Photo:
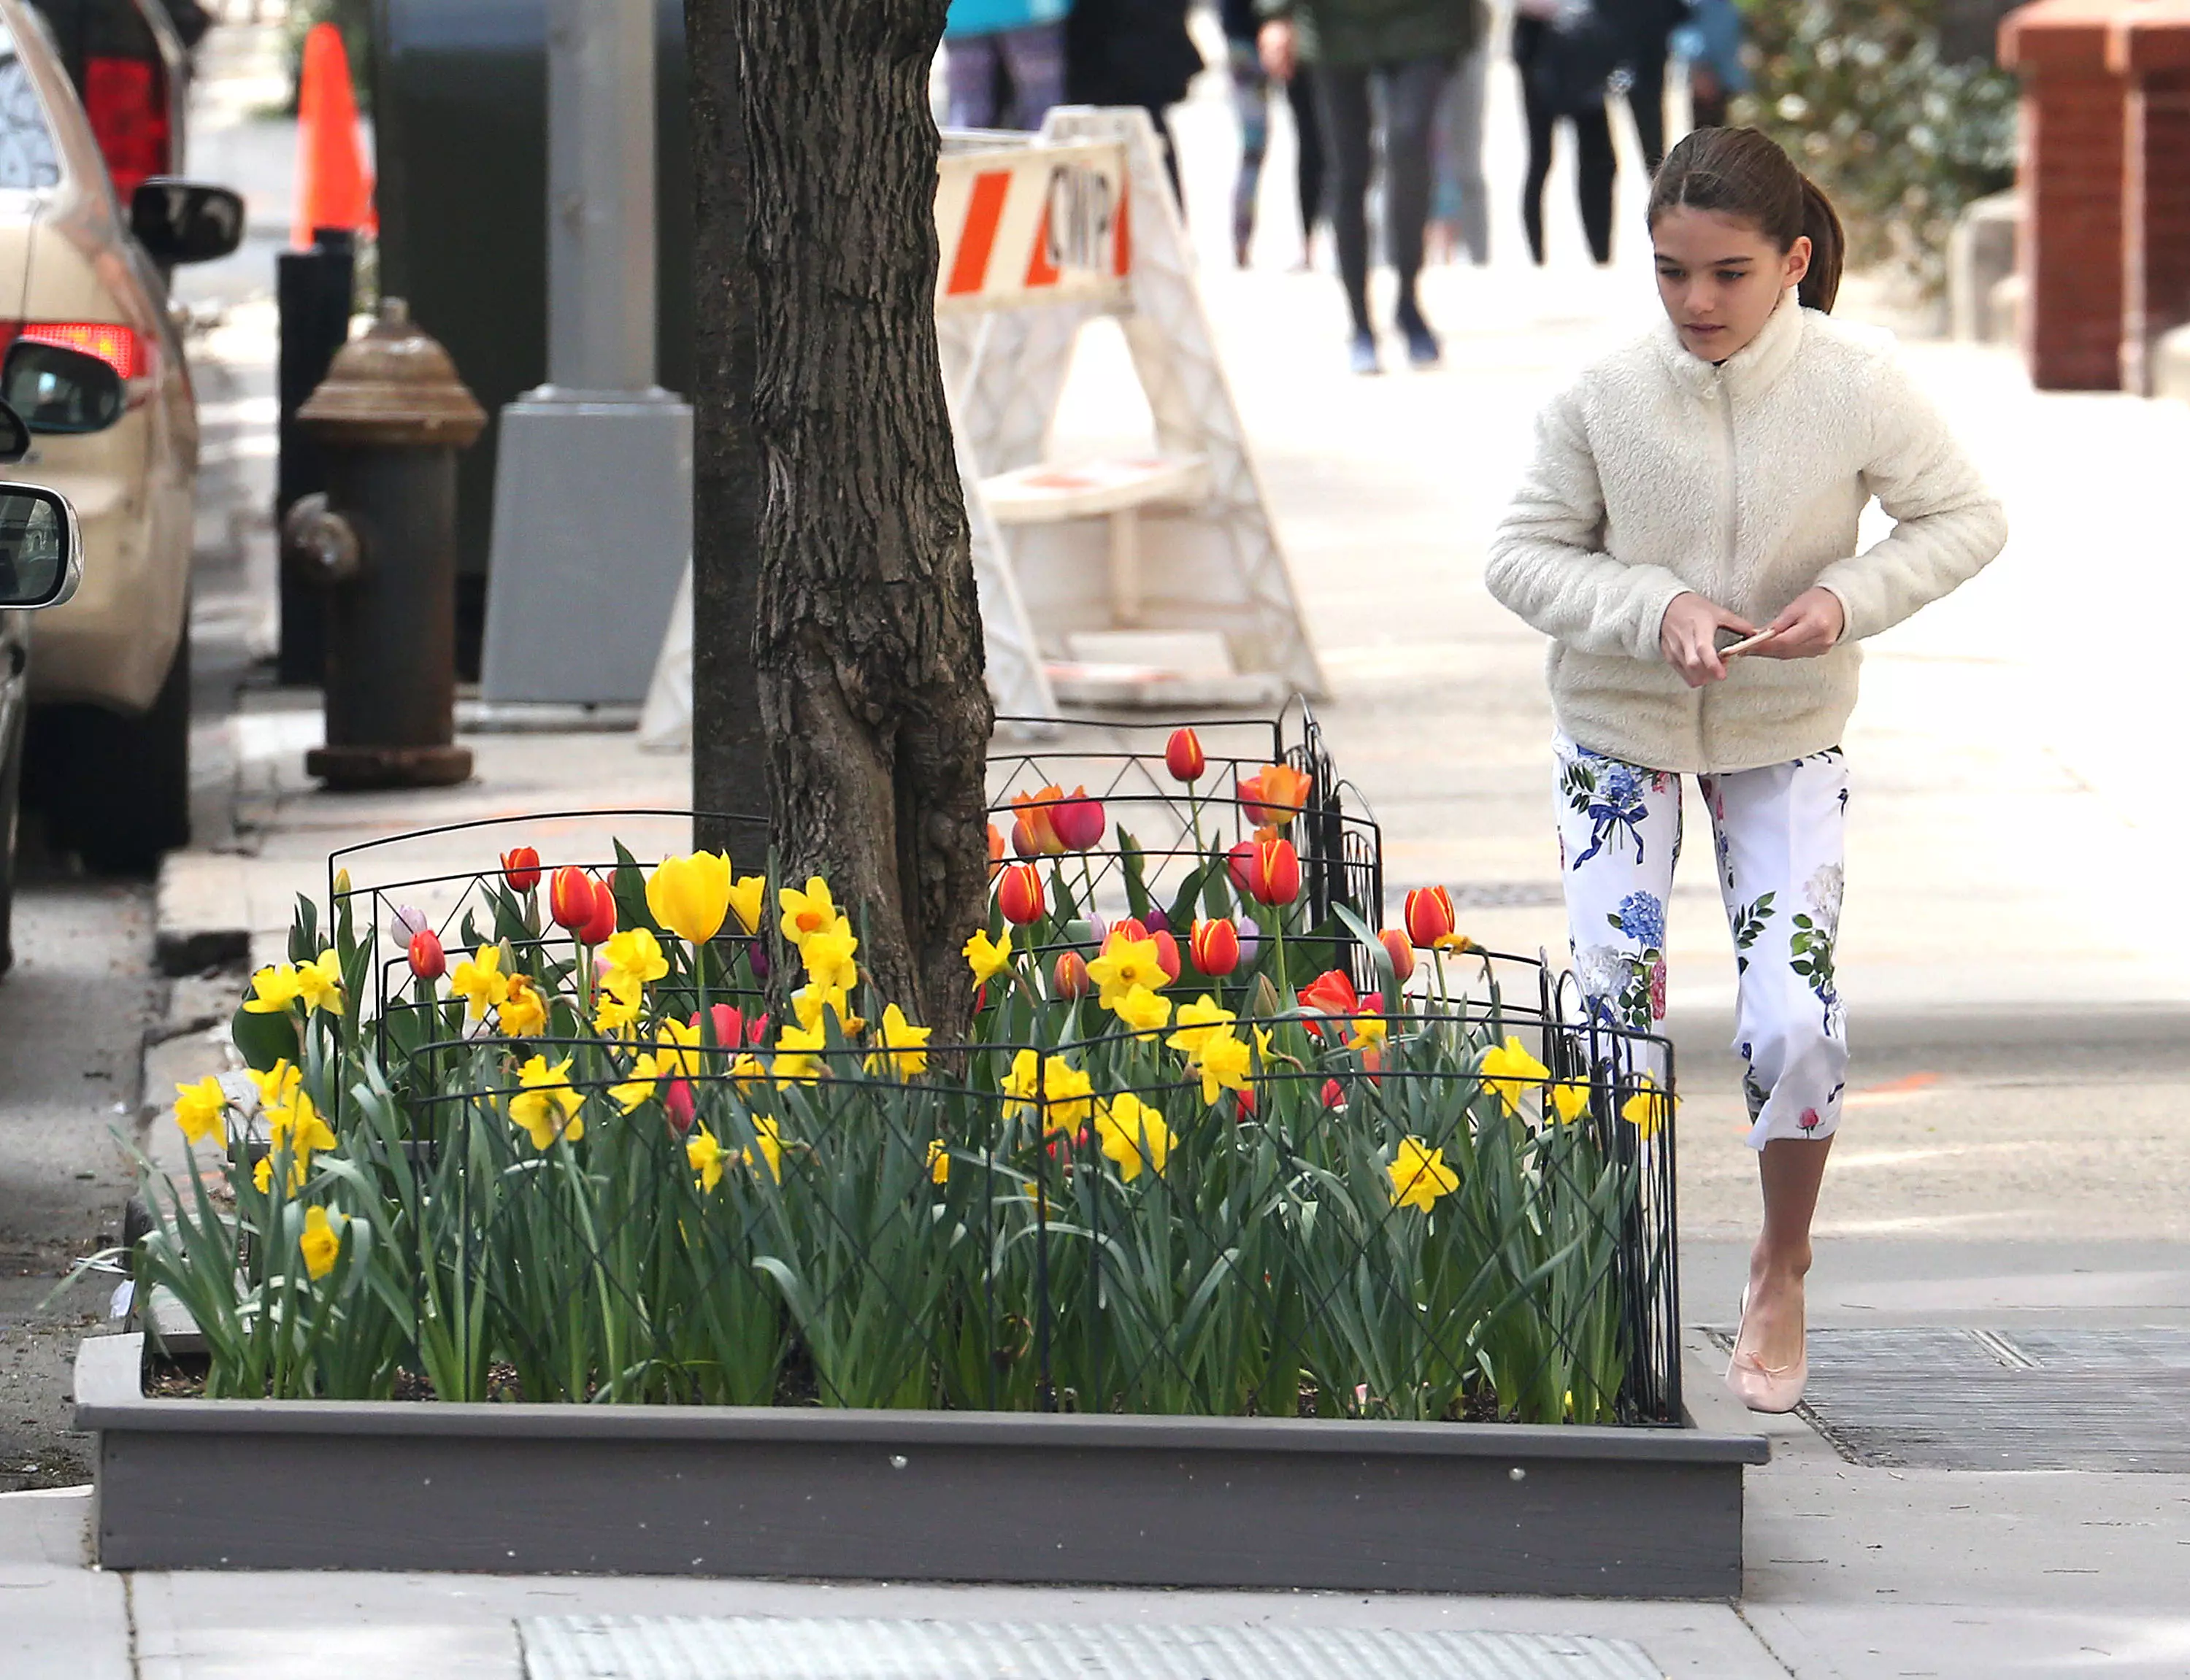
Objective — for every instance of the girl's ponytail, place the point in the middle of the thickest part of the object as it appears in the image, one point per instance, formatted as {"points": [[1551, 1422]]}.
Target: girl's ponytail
{"points": [[1821, 223]]}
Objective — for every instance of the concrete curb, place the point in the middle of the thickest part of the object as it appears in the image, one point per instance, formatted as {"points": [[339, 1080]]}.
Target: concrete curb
{"points": [[202, 913]]}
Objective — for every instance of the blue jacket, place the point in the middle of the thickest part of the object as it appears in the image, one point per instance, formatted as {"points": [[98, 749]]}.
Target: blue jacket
{"points": [[988, 17]]}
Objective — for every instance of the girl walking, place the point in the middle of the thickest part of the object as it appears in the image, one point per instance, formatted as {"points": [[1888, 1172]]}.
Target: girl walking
{"points": [[1686, 537]]}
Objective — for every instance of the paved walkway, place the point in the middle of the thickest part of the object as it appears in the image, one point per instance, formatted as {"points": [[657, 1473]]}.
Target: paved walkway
{"points": [[2013, 1156]]}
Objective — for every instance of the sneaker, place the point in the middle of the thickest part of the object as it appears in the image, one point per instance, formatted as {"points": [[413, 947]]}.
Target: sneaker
{"points": [[1423, 350], [1362, 356]]}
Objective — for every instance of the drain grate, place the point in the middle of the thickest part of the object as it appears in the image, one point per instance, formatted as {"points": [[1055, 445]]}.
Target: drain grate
{"points": [[1986, 1399], [769, 1648]]}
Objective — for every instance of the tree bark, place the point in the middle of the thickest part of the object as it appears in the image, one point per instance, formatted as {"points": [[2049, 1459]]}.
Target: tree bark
{"points": [[869, 631], [729, 752]]}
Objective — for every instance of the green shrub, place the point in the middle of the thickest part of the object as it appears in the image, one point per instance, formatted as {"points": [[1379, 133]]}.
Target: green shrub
{"points": [[1857, 90]]}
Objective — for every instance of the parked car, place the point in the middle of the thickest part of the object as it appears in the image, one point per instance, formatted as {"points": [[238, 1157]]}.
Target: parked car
{"points": [[130, 67], [40, 553], [108, 756]]}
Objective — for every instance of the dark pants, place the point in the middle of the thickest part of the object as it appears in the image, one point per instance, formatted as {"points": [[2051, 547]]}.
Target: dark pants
{"points": [[1250, 102], [1594, 171], [1645, 98], [1412, 88]]}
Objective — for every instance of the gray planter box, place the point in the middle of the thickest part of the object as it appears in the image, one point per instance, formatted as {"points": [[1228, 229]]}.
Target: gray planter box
{"points": [[938, 1496]]}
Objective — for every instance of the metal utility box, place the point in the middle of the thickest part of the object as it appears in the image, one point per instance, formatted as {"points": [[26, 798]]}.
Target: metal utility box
{"points": [[460, 102]]}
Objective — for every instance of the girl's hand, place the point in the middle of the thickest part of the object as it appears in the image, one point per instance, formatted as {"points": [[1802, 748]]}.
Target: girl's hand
{"points": [[1275, 44], [1811, 625], [1687, 633]]}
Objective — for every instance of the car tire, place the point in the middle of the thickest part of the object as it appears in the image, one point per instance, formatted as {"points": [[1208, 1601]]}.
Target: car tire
{"points": [[125, 798], [11, 803]]}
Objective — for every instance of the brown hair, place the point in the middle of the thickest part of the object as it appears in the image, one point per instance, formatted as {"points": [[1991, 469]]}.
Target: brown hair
{"points": [[1741, 171]]}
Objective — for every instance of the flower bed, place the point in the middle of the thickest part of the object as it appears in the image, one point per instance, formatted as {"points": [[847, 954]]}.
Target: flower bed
{"points": [[1218, 1143]]}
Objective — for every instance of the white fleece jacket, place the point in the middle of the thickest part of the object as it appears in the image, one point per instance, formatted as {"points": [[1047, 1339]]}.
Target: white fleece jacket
{"points": [[1657, 472]]}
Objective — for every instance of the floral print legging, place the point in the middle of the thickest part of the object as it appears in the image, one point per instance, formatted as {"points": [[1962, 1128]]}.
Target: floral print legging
{"points": [[1778, 835]]}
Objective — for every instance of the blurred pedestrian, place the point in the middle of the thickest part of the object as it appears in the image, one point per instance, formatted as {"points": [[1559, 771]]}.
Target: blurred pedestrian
{"points": [[1409, 48], [1566, 51], [1133, 53], [1250, 102], [1711, 41], [1647, 24], [990, 43], [1688, 538], [1460, 201]]}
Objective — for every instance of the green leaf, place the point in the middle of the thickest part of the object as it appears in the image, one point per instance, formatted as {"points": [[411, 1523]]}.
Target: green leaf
{"points": [[1134, 867], [263, 1038]]}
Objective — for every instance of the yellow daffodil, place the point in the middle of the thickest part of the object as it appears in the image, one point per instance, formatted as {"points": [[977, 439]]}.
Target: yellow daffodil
{"points": [[829, 960], [273, 990], [988, 957], [480, 982], [705, 1156], [277, 1084], [1224, 1063], [613, 1017], [748, 1071], [1124, 964], [262, 1174], [1420, 1176], [320, 1242], [1368, 1034], [1064, 1092], [681, 1054], [938, 1162], [318, 982], [904, 1046], [797, 1058], [1133, 1132], [749, 901], [690, 896], [200, 1108], [815, 1003], [524, 1011], [1646, 1111], [646, 1073], [1570, 1098], [547, 1106], [1197, 1022], [768, 1138], [808, 912], [296, 1126], [1141, 1009], [1509, 1070], [634, 962]]}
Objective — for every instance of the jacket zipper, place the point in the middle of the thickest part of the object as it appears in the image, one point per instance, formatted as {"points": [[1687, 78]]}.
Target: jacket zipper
{"points": [[1732, 551]]}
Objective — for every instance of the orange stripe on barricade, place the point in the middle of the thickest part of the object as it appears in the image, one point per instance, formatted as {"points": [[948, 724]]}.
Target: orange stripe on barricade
{"points": [[1122, 259], [985, 209], [1041, 271]]}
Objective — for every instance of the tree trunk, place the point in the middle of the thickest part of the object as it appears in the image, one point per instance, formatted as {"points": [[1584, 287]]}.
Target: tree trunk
{"points": [[869, 633], [729, 751]]}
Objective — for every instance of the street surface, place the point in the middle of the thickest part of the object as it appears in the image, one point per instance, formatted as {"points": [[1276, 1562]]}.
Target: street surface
{"points": [[2013, 1152]]}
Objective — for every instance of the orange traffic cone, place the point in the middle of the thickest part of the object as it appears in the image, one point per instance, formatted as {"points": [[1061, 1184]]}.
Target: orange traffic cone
{"points": [[334, 189]]}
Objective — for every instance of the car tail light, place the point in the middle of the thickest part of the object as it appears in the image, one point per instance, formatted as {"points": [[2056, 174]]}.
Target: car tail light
{"points": [[126, 101], [120, 348]]}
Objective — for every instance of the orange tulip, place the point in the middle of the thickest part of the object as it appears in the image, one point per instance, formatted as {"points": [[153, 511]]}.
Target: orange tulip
{"points": [[1215, 947], [570, 897], [1037, 817], [1018, 893], [1166, 952], [1275, 796], [520, 868], [995, 851], [1401, 950], [1273, 872], [1430, 920], [1069, 979]]}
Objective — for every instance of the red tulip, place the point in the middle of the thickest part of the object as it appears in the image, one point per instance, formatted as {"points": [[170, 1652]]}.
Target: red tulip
{"points": [[1079, 820], [1334, 1093], [1026, 837], [601, 926], [520, 868], [1401, 950], [730, 1024], [1243, 1105], [1215, 947], [1069, 980], [1273, 872], [1132, 928], [1183, 757], [1018, 893], [1332, 992], [1430, 920], [677, 1103], [1239, 863], [427, 960], [570, 897], [1166, 952]]}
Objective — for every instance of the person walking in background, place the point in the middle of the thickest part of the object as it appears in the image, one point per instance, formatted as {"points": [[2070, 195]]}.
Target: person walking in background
{"points": [[1250, 102], [986, 40], [1410, 48], [1647, 24], [1133, 53], [1566, 51], [1711, 41], [1688, 538], [1460, 203]]}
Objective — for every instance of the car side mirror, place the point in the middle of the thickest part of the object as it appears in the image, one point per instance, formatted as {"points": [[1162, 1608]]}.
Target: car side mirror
{"points": [[41, 553], [52, 388], [15, 436], [182, 221]]}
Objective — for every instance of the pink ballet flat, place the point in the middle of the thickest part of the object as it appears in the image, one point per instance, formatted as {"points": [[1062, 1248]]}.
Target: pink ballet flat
{"points": [[1761, 1387]]}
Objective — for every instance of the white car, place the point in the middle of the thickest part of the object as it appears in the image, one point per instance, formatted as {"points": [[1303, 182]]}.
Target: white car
{"points": [[109, 673]]}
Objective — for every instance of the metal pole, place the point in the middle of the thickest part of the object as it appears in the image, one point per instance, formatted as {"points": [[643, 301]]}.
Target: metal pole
{"points": [[600, 195]]}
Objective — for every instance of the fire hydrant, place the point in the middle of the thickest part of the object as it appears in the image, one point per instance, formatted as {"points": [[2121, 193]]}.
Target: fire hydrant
{"points": [[390, 415]]}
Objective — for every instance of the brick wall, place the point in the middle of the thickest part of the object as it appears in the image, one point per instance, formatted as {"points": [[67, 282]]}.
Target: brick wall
{"points": [[2150, 49]]}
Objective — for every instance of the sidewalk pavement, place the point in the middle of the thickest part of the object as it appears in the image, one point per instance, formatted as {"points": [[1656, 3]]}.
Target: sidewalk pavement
{"points": [[2012, 1155]]}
